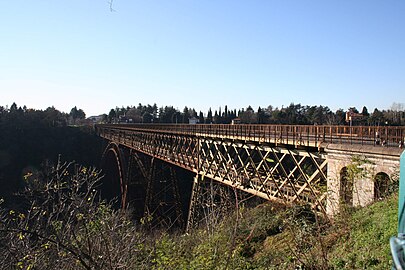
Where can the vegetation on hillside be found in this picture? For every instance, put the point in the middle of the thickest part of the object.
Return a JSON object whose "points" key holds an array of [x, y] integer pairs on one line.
{"points": [[64, 225], [30, 138]]}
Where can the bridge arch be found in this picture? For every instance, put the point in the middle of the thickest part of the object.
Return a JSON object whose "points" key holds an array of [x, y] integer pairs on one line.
{"points": [[114, 166], [381, 184]]}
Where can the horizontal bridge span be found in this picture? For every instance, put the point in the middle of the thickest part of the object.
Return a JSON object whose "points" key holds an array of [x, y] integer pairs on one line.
{"points": [[296, 135]]}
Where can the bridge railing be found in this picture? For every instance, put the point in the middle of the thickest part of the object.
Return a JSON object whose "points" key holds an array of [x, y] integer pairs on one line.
{"points": [[390, 136]]}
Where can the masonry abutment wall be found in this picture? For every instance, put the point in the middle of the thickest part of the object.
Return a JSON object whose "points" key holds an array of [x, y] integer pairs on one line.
{"points": [[370, 160]]}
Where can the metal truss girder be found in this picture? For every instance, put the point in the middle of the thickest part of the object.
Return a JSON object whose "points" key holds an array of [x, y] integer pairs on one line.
{"points": [[162, 196], [308, 181], [244, 188], [134, 155], [284, 171], [239, 152], [288, 177], [244, 156], [262, 146], [238, 163], [262, 182], [270, 175]]}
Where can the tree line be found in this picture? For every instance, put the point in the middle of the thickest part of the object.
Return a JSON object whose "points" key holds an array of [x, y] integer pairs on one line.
{"points": [[294, 114], [50, 117]]}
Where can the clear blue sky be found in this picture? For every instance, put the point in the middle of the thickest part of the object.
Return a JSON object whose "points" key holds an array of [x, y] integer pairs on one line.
{"points": [[202, 53]]}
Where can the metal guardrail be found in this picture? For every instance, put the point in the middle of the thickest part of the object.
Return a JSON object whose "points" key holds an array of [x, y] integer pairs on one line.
{"points": [[309, 135]]}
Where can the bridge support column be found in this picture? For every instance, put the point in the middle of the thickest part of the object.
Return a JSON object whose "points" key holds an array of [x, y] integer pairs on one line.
{"points": [[162, 203], [333, 187], [363, 190], [210, 202], [193, 201]]}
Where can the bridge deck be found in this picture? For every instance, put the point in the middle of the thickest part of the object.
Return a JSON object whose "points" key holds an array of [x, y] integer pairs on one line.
{"points": [[297, 135]]}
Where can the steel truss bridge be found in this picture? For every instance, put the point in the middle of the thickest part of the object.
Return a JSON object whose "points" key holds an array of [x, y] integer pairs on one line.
{"points": [[284, 163]]}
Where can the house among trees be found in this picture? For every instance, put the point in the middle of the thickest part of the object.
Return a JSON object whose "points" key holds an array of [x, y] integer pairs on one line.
{"points": [[124, 119], [97, 119], [193, 120], [352, 115], [235, 121]]}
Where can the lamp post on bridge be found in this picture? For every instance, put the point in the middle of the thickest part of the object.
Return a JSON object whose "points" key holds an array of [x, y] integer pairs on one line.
{"points": [[349, 117]]}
